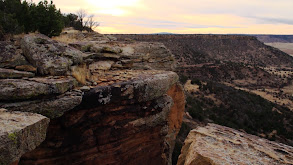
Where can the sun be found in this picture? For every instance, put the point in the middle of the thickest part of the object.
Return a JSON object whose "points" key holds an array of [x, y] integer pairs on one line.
{"points": [[113, 7]]}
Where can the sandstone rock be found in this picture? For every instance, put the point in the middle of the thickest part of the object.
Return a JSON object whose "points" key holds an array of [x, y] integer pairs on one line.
{"points": [[52, 107], [20, 133], [49, 56], [28, 68], [134, 121], [101, 65], [20, 89], [216, 144], [11, 73], [141, 55], [10, 57]]}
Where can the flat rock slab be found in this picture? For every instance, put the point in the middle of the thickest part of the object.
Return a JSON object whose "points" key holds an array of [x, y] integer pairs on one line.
{"points": [[51, 108], [49, 56], [19, 133], [128, 85], [215, 144], [23, 89], [134, 55], [11, 73]]}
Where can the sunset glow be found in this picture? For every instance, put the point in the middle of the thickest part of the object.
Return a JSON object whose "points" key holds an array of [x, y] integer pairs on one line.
{"points": [[187, 16]]}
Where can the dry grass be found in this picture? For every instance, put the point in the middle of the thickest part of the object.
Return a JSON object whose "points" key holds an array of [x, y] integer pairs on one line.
{"points": [[190, 87], [285, 47], [81, 73]]}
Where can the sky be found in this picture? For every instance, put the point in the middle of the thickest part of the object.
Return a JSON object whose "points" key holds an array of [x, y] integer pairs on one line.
{"points": [[186, 16]]}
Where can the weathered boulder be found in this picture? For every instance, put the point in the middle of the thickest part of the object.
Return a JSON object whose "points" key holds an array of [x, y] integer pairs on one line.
{"points": [[50, 107], [11, 73], [10, 56], [20, 133], [49, 56], [31, 88], [127, 121], [214, 144], [141, 55]]}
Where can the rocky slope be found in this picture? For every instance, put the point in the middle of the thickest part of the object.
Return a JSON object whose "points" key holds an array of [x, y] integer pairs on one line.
{"points": [[197, 49], [236, 81], [214, 144], [105, 100]]}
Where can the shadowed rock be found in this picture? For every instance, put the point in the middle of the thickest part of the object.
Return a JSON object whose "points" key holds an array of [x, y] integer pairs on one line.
{"points": [[22, 89], [10, 57], [11, 73], [133, 119], [20, 133], [214, 144], [51, 108]]}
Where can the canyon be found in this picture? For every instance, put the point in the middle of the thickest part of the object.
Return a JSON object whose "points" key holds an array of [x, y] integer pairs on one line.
{"points": [[88, 98]]}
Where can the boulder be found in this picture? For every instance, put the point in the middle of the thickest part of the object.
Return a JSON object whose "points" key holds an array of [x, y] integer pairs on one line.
{"points": [[20, 133], [11, 73], [50, 107], [10, 57], [215, 144], [49, 56], [31, 88]]}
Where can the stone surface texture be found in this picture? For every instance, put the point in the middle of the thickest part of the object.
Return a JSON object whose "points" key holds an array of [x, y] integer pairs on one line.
{"points": [[11, 73], [49, 56], [19, 133], [107, 101], [10, 56], [125, 55], [215, 145], [131, 121]]}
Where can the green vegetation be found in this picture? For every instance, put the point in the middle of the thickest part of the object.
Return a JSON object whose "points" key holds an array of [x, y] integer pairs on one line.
{"points": [[240, 110], [18, 16], [13, 137]]}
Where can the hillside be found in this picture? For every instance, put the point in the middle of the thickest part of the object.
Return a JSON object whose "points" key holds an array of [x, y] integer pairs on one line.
{"points": [[275, 38], [239, 82]]}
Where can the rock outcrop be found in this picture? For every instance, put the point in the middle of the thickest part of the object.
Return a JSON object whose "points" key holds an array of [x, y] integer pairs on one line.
{"points": [[49, 56], [126, 55], [132, 121], [19, 133], [214, 144], [107, 101]]}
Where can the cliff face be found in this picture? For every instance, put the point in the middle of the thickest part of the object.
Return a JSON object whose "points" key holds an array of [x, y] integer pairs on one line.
{"points": [[134, 122], [103, 108], [214, 144]]}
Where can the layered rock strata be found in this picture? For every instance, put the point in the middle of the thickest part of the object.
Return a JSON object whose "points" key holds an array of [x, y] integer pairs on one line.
{"points": [[214, 144], [133, 121], [106, 101]]}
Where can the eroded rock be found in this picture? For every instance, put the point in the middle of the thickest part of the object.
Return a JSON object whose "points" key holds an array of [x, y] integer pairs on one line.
{"points": [[130, 121], [10, 56], [31, 88], [214, 144], [11, 73], [49, 56], [141, 55], [51, 107], [20, 133]]}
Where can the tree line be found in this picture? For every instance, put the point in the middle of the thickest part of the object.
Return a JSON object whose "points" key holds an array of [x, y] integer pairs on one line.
{"points": [[18, 16]]}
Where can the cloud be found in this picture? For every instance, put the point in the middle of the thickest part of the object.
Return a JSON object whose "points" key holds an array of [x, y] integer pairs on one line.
{"points": [[187, 16]]}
